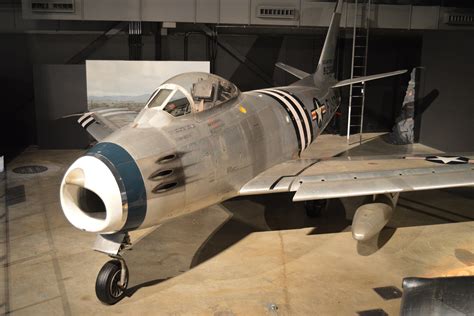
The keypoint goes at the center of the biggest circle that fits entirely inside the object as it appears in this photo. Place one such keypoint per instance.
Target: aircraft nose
(103, 191)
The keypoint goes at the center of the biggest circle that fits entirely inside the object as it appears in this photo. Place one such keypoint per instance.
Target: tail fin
(325, 71)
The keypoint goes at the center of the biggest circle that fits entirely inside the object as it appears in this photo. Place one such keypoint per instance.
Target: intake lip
(91, 198)
(103, 191)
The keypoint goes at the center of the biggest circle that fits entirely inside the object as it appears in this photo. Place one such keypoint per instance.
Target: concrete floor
(255, 255)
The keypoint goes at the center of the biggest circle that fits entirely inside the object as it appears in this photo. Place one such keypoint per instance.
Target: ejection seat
(205, 93)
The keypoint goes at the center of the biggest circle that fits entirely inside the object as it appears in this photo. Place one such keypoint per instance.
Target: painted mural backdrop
(115, 84)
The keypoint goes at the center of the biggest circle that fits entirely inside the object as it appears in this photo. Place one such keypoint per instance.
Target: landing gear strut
(112, 280)
(314, 207)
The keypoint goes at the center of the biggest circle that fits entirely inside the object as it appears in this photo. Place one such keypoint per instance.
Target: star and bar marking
(446, 160)
(318, 112)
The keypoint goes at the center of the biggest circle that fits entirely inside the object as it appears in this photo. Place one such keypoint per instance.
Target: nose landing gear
(112, 280)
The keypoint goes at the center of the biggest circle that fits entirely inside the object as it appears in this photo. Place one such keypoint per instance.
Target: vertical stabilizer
(325, 70)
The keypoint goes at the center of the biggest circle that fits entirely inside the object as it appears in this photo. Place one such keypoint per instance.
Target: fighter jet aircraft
(199, 141)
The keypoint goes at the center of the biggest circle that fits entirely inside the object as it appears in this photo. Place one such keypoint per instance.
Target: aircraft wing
(102, 122)
(346, 177)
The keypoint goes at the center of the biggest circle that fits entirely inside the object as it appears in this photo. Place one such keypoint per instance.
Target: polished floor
(255, 255)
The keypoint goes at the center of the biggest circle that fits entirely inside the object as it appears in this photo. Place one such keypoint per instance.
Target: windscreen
(159, 98)
(178, 105)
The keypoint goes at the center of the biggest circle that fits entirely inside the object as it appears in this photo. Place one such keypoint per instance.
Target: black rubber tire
(106, 285)
(314, 208)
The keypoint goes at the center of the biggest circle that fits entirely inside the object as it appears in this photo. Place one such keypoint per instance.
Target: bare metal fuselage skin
(207, 157)
(171, 161)
(198, 141)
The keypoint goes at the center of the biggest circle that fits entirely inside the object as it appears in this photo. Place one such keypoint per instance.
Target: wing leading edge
(336, 178)
(102, 122)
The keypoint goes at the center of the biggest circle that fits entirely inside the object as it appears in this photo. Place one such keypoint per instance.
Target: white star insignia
(448, 159)
(320, 110)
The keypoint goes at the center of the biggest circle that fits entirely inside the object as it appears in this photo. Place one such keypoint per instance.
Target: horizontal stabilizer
(300, 74)
(368, 78)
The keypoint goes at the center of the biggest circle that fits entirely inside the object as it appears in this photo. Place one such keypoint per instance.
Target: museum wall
(19, 56)
(60, 90)
(389, 51)
(448, 122)
(24, 52)
(446, 56)
(263, 50)
(17, 116)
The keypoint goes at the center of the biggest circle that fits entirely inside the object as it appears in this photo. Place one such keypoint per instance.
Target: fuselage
(197, 141)
(214, 153)
(202, 158)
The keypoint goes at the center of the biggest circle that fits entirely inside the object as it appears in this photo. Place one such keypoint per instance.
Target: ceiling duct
(275, 12)
(461, 19)
(52, 6)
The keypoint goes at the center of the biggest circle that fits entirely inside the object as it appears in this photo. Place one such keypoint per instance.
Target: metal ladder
(360, 47)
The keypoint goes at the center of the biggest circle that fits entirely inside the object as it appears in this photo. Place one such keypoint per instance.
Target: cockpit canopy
(192, 92)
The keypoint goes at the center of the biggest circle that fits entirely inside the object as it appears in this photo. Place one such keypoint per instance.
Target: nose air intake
(91, 203)
(103, 191)
(91, 197)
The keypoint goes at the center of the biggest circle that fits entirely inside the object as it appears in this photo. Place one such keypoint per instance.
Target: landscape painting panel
(129, 84)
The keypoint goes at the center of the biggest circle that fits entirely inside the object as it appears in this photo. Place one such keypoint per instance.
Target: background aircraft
(199, 141)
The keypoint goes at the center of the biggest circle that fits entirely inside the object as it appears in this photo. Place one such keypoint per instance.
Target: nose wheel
(112, 281)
